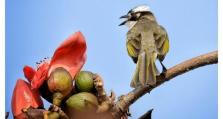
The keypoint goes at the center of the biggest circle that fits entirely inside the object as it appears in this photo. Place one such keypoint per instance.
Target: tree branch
(147, 115)
(123, 103)
(121, 106)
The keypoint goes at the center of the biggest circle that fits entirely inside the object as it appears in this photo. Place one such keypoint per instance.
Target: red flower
(24, 97)
(70, 55)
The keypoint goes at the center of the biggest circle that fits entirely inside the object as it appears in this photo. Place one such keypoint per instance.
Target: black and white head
(134, 14)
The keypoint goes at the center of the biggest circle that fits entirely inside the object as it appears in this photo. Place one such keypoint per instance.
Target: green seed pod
(84, 81)
(83, 101)
(60, 84)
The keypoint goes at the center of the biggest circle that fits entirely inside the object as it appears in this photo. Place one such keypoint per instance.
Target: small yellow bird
(146, 42)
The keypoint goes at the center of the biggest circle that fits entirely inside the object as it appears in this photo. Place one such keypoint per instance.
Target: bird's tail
(146, 70)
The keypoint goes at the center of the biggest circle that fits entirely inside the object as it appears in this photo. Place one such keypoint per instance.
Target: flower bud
(84, 81)
(60, 84)
(83, 101)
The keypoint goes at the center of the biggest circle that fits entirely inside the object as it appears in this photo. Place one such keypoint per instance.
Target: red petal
(70, 54)
(24, 97)
(29, 72)
(40, 75)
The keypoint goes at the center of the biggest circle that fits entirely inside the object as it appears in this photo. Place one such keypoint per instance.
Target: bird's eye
(134, 17)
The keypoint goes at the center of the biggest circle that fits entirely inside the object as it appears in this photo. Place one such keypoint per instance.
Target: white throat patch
(130, 24)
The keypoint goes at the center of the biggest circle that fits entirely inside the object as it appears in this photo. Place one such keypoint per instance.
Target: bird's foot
(164, 69)
(163, 74)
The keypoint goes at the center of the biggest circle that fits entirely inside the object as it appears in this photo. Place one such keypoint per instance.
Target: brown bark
(123, 104)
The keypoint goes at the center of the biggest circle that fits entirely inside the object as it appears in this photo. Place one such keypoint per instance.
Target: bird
(146, 42)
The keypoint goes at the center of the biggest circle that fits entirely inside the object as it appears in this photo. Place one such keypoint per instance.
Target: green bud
(83, 101)
(60, 84)
(84, 81)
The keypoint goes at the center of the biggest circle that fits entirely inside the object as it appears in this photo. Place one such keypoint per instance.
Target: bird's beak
(124, 17)
(122, 23)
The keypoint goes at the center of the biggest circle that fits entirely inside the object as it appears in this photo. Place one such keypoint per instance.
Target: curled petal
(24, 97)
(70, 54)
(29, 73)
(40, 75)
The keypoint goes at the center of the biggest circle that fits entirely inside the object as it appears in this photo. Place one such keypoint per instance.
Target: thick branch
(123, 104)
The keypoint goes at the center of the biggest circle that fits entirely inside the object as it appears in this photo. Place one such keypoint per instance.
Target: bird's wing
(162, 43)
(133, 44)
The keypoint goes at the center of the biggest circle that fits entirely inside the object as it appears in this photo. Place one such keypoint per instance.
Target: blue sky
(34, 29)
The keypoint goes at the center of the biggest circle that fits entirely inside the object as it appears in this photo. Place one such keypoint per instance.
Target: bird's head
(134, 14)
